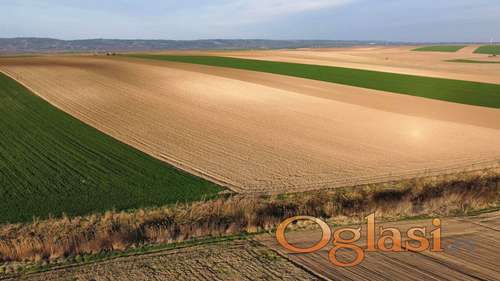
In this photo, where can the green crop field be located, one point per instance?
(440, 48)
(466, 92)
(488, 49)
(51, 163)
(474, 61)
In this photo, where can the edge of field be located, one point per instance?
(488, 50)
(227, 186)
(166, 164)
(440, 48)
(473, 61)
(146, 250)
(153, 250)
(238, 217)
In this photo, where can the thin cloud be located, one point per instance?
(255, 11)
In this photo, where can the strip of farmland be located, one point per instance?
(465, 92)
(474, 61)
(489, 50)
(382, 59)
(440, 48)
(51, 163)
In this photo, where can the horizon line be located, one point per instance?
(263, 39)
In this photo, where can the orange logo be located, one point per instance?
(417, 239)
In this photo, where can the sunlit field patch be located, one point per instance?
(465, 92)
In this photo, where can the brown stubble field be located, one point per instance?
(256, 132)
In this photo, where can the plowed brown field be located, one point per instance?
(471, 252)
(262, 132)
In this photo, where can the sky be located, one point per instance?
(393, 20)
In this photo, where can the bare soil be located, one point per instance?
(471, 252)
(256, 132)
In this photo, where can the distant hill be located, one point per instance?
(48, 45)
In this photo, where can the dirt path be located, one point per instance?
(260, 132)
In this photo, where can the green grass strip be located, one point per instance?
(465, 92)
(52, 163)
(488, 50)
(440, 48)
(474, 61)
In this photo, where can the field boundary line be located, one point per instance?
(162, 157)
(198, 172)
(386, 178)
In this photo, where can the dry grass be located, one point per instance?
(55, 239)
(238, 260)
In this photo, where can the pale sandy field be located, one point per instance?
(256, 132)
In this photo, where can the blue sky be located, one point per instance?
(401, 20)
